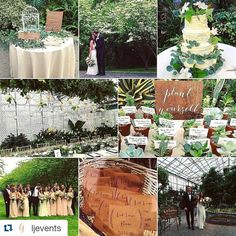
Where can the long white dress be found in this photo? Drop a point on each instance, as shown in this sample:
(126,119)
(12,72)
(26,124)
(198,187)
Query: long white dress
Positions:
(93,70)
(201,215)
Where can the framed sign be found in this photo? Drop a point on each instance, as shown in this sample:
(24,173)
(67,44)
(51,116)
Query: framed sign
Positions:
(180,98)
(54,21)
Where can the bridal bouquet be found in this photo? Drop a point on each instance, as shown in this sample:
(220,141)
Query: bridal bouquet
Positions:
(90,62)
(70,195)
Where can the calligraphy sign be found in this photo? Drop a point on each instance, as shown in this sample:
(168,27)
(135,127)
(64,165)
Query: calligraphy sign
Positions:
(179,97)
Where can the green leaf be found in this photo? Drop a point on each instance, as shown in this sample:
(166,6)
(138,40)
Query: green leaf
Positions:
(169,68)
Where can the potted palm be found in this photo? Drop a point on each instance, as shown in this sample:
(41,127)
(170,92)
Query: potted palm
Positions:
(219,132)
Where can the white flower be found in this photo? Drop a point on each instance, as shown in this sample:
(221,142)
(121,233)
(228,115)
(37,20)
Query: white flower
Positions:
(214,31)
(185,7)
(184,74)
(201,5)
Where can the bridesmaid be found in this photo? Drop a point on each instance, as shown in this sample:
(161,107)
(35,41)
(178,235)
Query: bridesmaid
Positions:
(47,196)
(53,204)
(26,202)
(20,201)
(13,203)
(42,203)
(70,196)
(58,195)
(64,201)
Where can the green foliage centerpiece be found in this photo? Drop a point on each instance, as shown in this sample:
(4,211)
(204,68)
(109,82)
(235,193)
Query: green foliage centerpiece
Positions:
(197,55)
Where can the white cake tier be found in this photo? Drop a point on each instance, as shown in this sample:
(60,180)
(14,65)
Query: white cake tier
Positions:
(197,22)
(201,36)
(206,65)
(202,49)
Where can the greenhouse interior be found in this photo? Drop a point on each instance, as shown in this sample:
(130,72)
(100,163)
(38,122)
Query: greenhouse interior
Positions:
(45,123)
(214,177)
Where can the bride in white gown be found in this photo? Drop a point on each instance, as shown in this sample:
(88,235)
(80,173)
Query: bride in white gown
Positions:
(201,211)
(93,70)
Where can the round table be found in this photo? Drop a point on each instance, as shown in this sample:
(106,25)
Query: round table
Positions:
(228,71)
(49,62)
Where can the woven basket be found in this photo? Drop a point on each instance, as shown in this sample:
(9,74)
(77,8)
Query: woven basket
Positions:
(150,181)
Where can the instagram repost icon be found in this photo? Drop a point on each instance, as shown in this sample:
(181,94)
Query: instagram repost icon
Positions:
(8,228)
(21,228)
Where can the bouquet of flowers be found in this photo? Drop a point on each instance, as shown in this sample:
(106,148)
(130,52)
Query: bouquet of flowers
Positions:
(42,198)
(21,203)
(90,62)
(13,198)
(70,195)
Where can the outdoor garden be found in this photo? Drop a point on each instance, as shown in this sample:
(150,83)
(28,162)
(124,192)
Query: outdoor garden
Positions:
(200,33)
(129,30)
(215,178)
(58,118)
(47,172)
(188,118)
(40,29)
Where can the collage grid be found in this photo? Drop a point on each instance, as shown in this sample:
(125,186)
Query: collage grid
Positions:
(118,116)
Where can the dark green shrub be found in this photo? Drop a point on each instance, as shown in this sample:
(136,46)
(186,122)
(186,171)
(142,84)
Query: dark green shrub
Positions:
(13,141)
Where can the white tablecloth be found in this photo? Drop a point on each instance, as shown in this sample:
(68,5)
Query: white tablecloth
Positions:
(49,62)
(228,71)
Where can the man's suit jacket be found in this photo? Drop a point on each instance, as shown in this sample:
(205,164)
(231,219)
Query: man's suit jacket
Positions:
(100,44)
(190,204)
(6,196)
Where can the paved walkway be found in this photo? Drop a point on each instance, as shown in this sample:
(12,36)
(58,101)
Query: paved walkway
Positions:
(119,75)
(210,230)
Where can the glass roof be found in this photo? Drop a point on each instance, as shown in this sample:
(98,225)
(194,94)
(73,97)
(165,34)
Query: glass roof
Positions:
(193,168)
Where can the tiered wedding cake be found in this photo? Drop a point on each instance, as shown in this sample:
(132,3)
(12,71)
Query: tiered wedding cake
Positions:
(197,55)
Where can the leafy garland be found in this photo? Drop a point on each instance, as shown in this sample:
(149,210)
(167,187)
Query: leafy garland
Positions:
(176,63)
(29,44)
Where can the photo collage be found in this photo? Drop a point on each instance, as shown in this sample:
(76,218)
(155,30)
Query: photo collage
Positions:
(117,117)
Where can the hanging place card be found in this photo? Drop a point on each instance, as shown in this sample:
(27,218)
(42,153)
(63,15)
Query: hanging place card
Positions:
(217,123)
(166,122)
(232,122)
(129,109)
(123,120)
(171,143)
(142,123)
(148,110)
(198,132)
(137,140)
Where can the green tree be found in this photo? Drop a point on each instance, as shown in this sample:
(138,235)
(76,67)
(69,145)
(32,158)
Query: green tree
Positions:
(45,171)
(213,185)
(125,24)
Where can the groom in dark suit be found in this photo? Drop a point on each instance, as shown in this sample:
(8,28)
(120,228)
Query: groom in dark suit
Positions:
(35,198)
(100,47)
(189,202)
(6,196)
